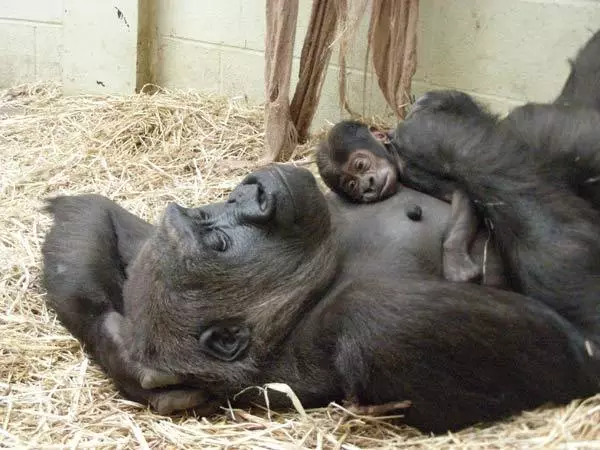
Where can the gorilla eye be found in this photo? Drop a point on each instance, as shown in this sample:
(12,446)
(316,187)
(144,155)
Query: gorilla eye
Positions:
(217,240)
(351,185)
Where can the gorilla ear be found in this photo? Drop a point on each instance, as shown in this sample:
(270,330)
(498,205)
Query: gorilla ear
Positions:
(381,136)
(225,341)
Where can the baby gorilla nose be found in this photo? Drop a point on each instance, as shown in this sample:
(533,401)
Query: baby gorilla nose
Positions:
(367,184)
(371,182)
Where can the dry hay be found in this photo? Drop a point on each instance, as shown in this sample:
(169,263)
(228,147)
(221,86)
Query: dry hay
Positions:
(143,151)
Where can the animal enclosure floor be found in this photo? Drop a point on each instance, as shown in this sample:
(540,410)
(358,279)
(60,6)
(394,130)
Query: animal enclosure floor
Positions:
(144,151)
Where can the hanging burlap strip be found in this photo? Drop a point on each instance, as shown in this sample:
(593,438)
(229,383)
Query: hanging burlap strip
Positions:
(316,52)
(392,41)
(392,44)
(280,132)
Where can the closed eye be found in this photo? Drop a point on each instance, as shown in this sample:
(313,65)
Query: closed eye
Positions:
(217,240)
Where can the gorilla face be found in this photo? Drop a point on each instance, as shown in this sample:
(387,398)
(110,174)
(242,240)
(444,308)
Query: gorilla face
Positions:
(214,284)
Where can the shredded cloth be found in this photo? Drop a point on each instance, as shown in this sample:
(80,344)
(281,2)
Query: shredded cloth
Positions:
(391,41)
(280,135)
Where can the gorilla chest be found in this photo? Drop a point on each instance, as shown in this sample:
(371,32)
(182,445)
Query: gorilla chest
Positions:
(389,235)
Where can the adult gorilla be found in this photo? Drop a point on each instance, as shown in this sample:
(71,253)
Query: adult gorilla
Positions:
(281,284)
(534,175)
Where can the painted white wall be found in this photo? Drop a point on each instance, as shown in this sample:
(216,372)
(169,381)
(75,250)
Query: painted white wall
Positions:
(99,46)
(504,52)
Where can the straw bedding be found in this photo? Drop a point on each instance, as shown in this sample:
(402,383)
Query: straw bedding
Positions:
(144,151)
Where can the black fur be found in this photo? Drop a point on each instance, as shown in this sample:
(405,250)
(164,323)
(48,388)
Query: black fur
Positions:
(533,175)
(345,302)
(342,302)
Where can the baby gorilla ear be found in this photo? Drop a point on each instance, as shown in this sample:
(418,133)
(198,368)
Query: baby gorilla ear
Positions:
(226,342)
(381,136)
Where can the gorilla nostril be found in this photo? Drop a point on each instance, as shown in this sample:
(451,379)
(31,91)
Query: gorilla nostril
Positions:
(262,198)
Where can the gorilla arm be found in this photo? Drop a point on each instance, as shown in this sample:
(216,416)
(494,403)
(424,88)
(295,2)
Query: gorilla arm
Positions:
(445,355)
(459,353)
(86,254)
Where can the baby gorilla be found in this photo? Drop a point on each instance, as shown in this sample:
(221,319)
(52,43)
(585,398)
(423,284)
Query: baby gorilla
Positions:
(364,166)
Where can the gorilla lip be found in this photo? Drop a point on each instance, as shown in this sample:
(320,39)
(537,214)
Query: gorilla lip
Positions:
(175,216)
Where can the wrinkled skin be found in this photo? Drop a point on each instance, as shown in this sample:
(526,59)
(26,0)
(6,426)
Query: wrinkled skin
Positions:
(280,284)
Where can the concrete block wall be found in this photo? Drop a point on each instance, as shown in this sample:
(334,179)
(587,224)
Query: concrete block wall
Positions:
(30,41)
(504,52)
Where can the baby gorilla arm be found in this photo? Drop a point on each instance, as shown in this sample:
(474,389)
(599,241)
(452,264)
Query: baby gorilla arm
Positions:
(458,265)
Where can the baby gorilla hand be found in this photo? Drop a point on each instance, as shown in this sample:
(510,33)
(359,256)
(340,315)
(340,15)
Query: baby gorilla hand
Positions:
(163,391)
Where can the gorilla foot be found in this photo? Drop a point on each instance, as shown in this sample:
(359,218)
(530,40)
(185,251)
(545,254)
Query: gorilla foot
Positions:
(459,267)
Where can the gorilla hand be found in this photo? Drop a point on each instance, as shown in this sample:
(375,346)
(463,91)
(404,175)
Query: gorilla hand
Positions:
(163,391)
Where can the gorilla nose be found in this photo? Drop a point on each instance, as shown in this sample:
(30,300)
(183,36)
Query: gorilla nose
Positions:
(253,199)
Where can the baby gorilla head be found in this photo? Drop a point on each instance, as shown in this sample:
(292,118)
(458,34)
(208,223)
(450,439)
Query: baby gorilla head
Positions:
(356,163)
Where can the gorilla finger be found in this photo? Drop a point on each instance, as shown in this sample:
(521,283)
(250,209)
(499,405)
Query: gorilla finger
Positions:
(171,401)
(152,379)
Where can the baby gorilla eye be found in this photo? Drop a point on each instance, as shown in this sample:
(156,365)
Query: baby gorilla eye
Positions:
(351,185)
(361,165)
